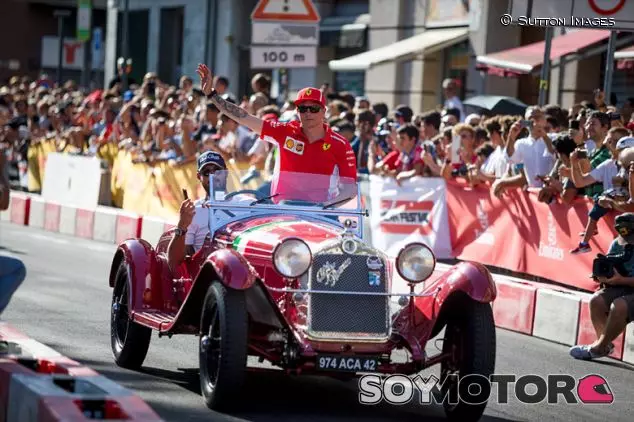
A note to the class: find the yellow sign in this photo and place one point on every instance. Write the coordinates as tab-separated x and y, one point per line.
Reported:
326	147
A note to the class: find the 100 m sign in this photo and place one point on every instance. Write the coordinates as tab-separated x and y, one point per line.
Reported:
272	57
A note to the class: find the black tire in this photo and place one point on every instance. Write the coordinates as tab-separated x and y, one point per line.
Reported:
224	329
470	336
129	340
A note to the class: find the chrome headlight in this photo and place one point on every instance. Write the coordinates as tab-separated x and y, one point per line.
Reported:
292	258
415	262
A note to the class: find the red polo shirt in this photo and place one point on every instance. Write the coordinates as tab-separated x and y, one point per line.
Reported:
330	156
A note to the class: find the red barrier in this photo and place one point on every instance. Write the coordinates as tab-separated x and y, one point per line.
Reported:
519	233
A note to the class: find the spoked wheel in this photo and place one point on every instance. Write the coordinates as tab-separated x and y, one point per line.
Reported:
129	340
470	338
223	346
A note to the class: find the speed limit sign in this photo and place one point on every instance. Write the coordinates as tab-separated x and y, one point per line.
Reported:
272	57
606	7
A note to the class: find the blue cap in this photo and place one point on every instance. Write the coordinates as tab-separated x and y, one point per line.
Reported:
128	96
211	157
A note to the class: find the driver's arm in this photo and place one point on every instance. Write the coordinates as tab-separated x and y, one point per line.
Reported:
237	113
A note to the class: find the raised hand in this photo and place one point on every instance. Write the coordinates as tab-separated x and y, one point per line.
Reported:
205	78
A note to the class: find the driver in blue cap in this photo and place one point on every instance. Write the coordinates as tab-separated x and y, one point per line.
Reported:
193	227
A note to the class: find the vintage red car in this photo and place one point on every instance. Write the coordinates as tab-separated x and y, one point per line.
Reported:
289	279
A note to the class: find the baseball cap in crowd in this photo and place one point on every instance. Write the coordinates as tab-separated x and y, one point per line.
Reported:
405	112
211	157
310	94
625	142
624	225
128	96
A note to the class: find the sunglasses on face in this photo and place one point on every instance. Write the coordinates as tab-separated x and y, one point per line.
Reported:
313	109
207	172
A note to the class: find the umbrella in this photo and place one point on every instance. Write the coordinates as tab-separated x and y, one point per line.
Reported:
497	104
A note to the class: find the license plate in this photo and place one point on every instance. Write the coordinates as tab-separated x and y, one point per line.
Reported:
347	363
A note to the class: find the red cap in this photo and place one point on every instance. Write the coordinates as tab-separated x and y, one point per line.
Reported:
310	94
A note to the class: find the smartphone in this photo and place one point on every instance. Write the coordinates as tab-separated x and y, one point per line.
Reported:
574	125
526	124
615	116
455	146
583	153
185	195
151	89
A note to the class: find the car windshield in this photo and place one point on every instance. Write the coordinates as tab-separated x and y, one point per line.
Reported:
286	188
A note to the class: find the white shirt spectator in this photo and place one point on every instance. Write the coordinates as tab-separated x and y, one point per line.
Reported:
604	173
497	163
537	160
454	102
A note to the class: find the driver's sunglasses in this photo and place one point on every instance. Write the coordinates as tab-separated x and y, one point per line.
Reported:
313	109
206	173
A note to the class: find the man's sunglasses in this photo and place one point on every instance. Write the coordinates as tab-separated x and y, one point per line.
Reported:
207	172
312	109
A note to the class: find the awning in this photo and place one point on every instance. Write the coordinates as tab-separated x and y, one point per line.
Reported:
426	42
626	53
345	23
528	58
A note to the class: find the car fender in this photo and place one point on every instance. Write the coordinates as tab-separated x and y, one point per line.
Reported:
465	280
140	258
230	268
468	277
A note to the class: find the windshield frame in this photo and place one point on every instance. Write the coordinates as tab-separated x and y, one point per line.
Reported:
221	213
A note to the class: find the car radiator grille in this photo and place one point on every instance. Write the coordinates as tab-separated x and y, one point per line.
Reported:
352	316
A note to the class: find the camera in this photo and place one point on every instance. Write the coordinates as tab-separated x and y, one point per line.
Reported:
607	265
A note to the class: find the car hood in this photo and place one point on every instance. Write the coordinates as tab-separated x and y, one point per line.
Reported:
262	234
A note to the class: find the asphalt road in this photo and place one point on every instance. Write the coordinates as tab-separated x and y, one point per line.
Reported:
65	301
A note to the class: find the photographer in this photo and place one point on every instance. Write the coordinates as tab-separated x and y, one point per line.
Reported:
558	182
605	173
612	307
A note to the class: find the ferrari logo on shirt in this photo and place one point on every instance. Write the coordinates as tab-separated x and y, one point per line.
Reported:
326	147
295	146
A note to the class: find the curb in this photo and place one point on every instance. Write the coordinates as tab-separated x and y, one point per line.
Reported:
552	313
37	384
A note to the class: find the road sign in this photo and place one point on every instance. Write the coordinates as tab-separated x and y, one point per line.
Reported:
614	15
272	57
279	33
297	11
84	17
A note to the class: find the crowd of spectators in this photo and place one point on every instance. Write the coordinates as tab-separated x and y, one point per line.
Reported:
586	150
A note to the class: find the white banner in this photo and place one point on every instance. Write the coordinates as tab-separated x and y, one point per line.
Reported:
72	180
415	211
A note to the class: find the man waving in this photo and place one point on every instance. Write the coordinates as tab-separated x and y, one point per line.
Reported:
308	146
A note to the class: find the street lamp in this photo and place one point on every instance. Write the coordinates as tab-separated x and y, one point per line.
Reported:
60	15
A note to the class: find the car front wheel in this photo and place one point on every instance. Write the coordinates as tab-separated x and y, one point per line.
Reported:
470	340
129	340
223	346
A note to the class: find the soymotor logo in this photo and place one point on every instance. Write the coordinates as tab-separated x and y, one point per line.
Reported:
476	389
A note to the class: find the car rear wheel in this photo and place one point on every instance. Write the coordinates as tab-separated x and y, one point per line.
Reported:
129	340
223	346
470	339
